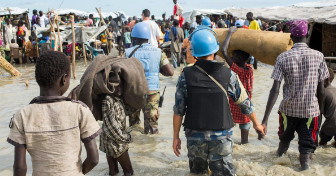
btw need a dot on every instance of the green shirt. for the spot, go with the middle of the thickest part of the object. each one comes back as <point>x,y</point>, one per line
<point>127,37</point>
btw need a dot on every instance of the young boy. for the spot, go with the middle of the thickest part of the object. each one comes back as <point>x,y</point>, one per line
<point>52,127</point>
<point>245,74</point>
<point>328,129</point>
<point>127,37</point>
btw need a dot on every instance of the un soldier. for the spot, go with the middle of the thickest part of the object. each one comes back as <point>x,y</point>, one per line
<point>154,62</point>
<point>202,96</point>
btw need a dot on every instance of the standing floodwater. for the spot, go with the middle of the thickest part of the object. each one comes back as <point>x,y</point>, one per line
<point>153,154</point>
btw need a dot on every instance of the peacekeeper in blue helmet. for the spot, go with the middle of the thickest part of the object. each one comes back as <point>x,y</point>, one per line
<point>202,97</point>
<point>154,62</point>
<point>206,23</point>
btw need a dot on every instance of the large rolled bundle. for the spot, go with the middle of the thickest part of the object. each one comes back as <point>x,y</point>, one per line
<point>263,45</point>
<point>8,67</point>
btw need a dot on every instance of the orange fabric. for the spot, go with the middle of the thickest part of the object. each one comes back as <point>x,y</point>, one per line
<point>190,58</point>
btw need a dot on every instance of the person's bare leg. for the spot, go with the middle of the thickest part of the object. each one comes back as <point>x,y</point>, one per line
<point>125,163</point>
<point>113,165</point>
<point>244,136</point>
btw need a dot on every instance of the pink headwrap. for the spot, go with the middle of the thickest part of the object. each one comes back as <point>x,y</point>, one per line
<point>298,28</point>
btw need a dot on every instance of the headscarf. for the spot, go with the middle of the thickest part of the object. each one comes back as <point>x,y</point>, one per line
<point>298,28</point>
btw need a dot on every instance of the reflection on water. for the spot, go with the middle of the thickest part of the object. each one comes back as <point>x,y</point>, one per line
<point>153,155</point>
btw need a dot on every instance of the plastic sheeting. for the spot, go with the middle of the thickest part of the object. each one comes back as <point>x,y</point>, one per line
<point>68,11</point>
<point>82,34</point>
<point>12,11</point>
<point>320,12</point>
<point>191,16</point>
<point>95,14</point>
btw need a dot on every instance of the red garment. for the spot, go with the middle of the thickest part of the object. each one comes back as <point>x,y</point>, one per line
<point>181,19</point>
<point>246,78</point>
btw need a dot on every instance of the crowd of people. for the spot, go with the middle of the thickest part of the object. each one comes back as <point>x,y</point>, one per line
<point>211,96</point>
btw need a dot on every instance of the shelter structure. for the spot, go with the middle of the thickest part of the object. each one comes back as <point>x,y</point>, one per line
<point>321,16</point>
<point>191,16</point>
<point>15,14</point>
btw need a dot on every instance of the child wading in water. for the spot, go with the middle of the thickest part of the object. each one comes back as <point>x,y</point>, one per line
<point>245,73</point>
<point>52,127</point>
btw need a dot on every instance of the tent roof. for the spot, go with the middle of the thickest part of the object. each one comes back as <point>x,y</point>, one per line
<point>67,11</point>
<point>320,12</point>
<point>95,14</point>
<point>190,16</point>
<point>12,11</point>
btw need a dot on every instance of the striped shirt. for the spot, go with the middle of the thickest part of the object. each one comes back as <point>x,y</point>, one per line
<point>302,68</point>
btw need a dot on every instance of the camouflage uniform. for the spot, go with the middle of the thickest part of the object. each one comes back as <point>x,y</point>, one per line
<point>151,113</point>
<point>209,145</point>
<point>212,146</point>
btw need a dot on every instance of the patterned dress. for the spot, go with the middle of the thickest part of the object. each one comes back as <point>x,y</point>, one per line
<point>114,139</point>
<point>246,78</point>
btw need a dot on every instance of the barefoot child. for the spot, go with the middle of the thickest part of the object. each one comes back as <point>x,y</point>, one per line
<point>52,127</point>
<point>328,130</point>
<point>245,73</point>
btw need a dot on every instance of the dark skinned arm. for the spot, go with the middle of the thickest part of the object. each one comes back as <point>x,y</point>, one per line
<point>20,165</point>
<point>320,95</point>
<point>167,70</point>
<point>272,98</point>
<point>226,46</point>
<point>92,157</point>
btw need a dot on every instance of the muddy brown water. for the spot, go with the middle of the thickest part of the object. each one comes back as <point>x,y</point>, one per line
<point>153,154</point>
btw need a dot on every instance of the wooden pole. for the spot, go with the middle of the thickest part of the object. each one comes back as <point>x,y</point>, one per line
<point>310,32</point>
<point>101,16</point>
<point>84,53</point>
<point>106,42</point>
<point>58,32</point>
<point>54,34</point>
<point>51,27</point>
<point>73,47</point>
<point>8,67</point>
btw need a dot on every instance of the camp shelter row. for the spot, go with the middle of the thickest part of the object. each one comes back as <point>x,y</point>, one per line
<point>321,16</point>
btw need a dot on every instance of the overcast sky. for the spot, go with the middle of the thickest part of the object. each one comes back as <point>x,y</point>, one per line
<point>135,7</point>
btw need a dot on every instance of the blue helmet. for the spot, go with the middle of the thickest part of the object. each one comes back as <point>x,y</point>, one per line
<point>203,42</point>
<point>239,23</point>
<point>206,22</point>
<point>141,30</point>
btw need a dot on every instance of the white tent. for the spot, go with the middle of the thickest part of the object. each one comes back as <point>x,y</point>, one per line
<point>191,16</point>
<point>68,11</point>
<point>320,12</point>
<point>12,11</point>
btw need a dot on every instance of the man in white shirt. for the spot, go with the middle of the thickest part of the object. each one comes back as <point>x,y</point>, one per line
<point>43,19</point>
<point>155,30</point>
<point>196,23</point>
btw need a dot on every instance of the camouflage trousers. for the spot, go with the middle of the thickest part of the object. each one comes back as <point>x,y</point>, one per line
<point>217,152</point>
<point>151,113</point>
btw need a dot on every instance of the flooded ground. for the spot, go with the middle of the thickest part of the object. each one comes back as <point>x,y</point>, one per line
<point>153,154</point>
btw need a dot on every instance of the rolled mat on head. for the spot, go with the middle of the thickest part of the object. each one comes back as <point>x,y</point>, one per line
<point>265,46</point>
<point>8,67</point>
<point>114,76</point>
